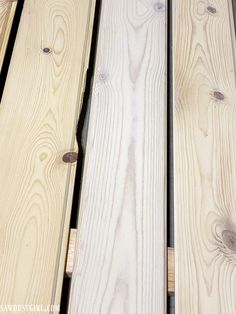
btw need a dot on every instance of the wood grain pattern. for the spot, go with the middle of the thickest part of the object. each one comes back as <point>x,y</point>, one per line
<point>71,258</point>
<point>7,12</point>
<point>120,255</point>
<point>204,156</point>
<point>38,118</point>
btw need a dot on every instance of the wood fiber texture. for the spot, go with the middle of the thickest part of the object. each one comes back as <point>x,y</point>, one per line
<point>7,12</point>
<point>120,253</point>
<point>38,117</point>
<point>204,156</point>
<point>71,259</point>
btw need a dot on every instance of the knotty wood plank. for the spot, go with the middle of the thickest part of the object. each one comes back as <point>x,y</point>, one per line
<point>204,156</point>
<point>120,252</point>
<point>71,257</point>
<point>38,117</point>
<point>7,12</point>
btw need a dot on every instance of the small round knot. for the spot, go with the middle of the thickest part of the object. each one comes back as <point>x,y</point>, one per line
<point>46,50</point>
<point>103,77</point>
<point>159,7</point>
<point>211,9</point>
<point>70,157</point>
<point>229,239</point>
<point>218,95</point>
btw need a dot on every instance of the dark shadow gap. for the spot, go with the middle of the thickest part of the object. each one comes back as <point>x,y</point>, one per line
<point>10,46</point>
<point>81,137</point>
<point>170,164</point>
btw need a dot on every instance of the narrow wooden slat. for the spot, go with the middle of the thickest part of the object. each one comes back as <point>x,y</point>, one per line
<point>7,12</point>
<point>38,117</point>
<point>71,257</point>
<point>71,253</point>
<point>171,271</point>
<point>204,156</point>
<point>120,253</point>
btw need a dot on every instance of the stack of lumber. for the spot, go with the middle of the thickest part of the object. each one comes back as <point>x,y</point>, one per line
<point>163,94</point>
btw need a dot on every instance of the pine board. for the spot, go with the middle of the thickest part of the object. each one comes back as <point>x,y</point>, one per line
<point>204,156</point>
<point>7,12</point>
<point>120,257</point>
<point>38,117</point>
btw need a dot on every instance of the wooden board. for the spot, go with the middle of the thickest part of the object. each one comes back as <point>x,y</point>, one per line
<point>7,12</point>
<point>71,253</point>
<point>171,271</point>
<point>71,258</point>
<point>120,254</point>
<point>204,156</point>
<point>38,118</point>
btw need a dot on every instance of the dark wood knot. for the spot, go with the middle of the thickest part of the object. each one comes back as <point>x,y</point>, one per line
<point>159,7</point>
<point>46,50</point>
<point>103,77</point>
<point>218,95</point>
<point>229,239</point>
<point>211,9</point>
<point>70,157</point>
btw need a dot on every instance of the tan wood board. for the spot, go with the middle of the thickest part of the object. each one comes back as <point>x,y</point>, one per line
<point>38,117</point>
<point>204,156</point>
<point>120,253</point>
<point>7,12</point>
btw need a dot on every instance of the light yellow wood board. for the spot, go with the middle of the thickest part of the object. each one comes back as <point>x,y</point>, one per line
<point>71,257</point>
<point>120,257</point>
<point>204,156</point>
<point>7,12</point>
<point>38,117</point>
